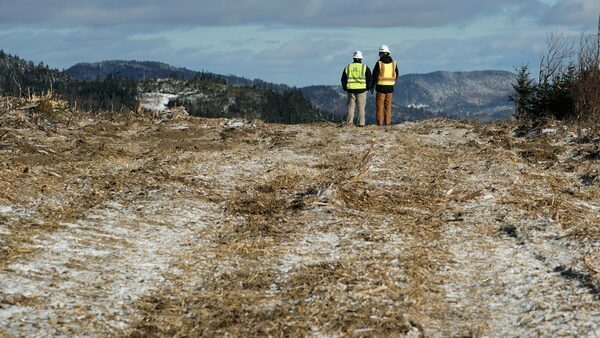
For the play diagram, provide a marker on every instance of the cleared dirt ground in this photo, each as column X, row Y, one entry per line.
column 195, row 227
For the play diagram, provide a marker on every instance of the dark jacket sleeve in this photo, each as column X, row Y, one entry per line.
column 375, row 76
column 344, row 80
column 369, row 79
column 397, row 72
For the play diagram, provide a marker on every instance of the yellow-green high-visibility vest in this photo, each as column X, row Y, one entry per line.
column 387, row 74
column 357, row 76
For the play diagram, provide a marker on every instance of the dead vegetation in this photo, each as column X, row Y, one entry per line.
column 145, row 226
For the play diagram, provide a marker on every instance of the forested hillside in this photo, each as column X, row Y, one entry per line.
column 211, row 96
column 117, row 86
column 19, row 77
column 146, row 70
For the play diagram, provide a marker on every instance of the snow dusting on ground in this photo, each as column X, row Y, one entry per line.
column 228, row 228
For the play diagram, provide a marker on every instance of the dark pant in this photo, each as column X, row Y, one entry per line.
column 384, row 101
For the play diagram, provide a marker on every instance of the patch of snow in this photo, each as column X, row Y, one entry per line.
column 238, row 124
column 588, row 205
column 180, row 127
column 10, row 312
column 157, row 102
column 110, row 259
column 570, row 138
column 289, row 262
column 4, row 209
column 17, row 285
column 417, row 105
column 314, row 248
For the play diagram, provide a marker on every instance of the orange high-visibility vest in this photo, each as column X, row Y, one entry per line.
column 387, row 74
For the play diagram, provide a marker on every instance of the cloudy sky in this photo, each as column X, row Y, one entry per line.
column 299, row 42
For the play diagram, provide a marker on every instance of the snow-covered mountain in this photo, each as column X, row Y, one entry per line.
column 478, row 95
column 481, row 95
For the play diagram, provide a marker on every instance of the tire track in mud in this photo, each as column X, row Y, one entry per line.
column 503, row 280
column 82, row 276
column 233, row 283
column 325, row 231
column 349, row 250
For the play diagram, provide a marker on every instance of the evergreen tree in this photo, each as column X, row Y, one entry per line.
column 563, row 100
column 542, row 101
column 524, row 95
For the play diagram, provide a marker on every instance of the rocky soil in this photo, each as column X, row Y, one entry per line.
column 137, row 226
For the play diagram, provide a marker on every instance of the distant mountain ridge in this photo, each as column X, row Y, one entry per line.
column 479, row 95
column 202, row 94
column 146, row 70
column 131, row 70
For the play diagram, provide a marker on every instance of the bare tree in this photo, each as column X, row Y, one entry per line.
column 598, row 43
column 556, row 58
column 16, row 86
column 587, row 90
column 554, row 63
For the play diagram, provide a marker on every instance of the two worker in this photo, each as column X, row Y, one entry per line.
column 357, row 80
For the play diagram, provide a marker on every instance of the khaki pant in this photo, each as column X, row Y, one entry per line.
column 384, row 101
column 353, row 100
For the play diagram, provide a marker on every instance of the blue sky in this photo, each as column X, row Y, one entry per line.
column 295, row 42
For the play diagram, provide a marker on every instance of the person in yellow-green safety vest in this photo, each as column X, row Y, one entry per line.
column 385, row 74
column 356, row 80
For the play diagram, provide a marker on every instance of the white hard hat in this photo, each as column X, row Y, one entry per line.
column 384, row 49
column 358, row 55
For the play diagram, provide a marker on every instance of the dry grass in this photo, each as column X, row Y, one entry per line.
column 312, row 231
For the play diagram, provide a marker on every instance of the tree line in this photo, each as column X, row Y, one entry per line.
column 567, row 86
column 216, row 98
column 211, row 96
column 21, row 78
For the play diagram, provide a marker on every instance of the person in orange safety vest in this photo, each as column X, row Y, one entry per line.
column 385, row 74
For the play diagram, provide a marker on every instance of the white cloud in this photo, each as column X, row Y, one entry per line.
column 294, row 42
column 574, row 12
column 311, row 13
